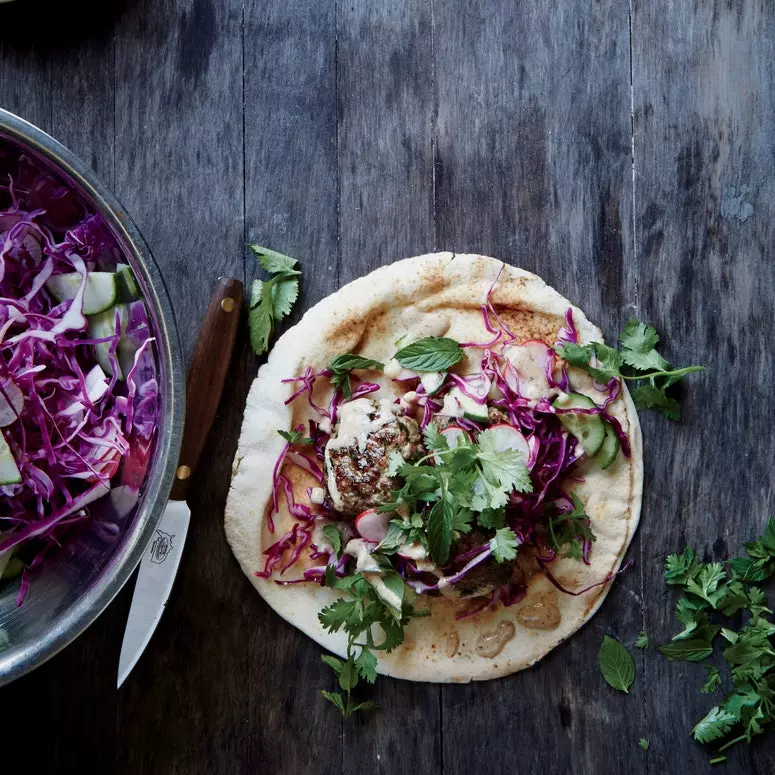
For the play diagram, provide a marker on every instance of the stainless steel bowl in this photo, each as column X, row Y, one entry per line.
column 77, row 584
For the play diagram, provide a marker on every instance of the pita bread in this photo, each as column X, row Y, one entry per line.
column 366, row 317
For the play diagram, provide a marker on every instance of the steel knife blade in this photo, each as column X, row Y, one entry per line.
column 204, row 385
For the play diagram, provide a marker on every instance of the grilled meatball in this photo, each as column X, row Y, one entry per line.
column 496, row 415
column 357, row 455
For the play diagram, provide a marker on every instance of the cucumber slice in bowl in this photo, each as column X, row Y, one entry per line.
column 589, row 429
column 9, row 471
column 610, row 448
column 99, row 295
column 127, row 289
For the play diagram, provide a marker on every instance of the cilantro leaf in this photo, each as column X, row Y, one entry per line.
column 713, row 681
column 295, row 437
column 643, row 743
column 642, row 641
column 430, row 354
column 650, row 371
column 679, row 568
column 616, row 664
column 462, row 520
column 715, row 724
column 707, row 583
column 271, row 300
column 338, row 614
column 366, row 664
column 272, row 261
column 505, row 468
column 492, row 518
column 504, row 545
column 570, row 529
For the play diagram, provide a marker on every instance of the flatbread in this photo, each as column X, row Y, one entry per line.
column 366, row 317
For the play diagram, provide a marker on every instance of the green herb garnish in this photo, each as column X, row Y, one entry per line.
column 643, row 743
column 430, row 354
column 637, row 360
column 570, row 530
column 713, row 590
column 642, row 641
column 342, row 365
column 616, row 664
column 295, row 437
column 271, row 300
column 356, row 613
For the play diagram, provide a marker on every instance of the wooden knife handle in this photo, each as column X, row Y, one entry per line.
column 206, row 376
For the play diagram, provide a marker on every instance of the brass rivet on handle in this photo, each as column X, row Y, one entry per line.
column 183, row 472
column 227, row 304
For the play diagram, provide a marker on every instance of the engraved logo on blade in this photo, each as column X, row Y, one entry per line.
column 161, row 547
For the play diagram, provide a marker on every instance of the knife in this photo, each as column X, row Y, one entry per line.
column 204, row 386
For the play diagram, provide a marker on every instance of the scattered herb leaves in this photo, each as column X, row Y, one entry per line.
column 643, row 743
column 650, row 371
column 342, row 365
column 642, row 641
column 271, row 300
column 616, row 664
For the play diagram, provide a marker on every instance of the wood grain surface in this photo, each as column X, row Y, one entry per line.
column 623, row 151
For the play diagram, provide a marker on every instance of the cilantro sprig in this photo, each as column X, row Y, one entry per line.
column 570, row 530
column 466, row 483
column 342, row 365
column 271, row 300
column 714, row 590
column 637, row 360
column 357, row 613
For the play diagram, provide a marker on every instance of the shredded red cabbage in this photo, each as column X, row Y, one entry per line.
column 67, row 423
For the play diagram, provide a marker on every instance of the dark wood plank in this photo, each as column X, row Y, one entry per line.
column 179, row 170
column 533, row 165
column 290, row 205
column 704, row 122
column 385, row 93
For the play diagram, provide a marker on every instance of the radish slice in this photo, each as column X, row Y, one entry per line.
column 530, row 360
column 508, row 437
column 533, row 444
column 373, row 525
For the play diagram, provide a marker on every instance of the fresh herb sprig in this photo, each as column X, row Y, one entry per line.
column 271, row 300
column 637, row 360
column 342, row 365
column 434, row 353
column 570, row 530
column 712, row 590
column 466, row 483
column 616, row 664
column 360, row 608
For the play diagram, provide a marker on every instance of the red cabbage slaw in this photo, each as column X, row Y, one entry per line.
column 68, row 424
column 554, row 453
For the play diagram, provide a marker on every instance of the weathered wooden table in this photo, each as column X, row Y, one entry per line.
column 621, row 150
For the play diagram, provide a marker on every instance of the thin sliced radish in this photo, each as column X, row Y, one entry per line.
column 530, row 360
column 508, row 437
column 373, row 525
column 533, row 444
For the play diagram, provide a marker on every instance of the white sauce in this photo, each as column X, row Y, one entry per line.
column 319, row 538
column 452, row 407
column 392, row 368
column 414, row 551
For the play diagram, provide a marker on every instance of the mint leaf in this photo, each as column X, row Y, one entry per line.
column 504, row 545
column 334, row 537
column 440, row 531
column 342, row 365
column 430, row 354
column 691, row 650
column 616, row 664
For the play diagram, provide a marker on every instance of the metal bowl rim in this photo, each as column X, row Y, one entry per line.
column 15, row 662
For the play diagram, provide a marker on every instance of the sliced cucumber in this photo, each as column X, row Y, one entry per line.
column 589, row 429
column 457, row 403
column 610, row 448
column 100, row 292
column 127, row 288
column 104, row 325
column 433, row 381
column 9, row 471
